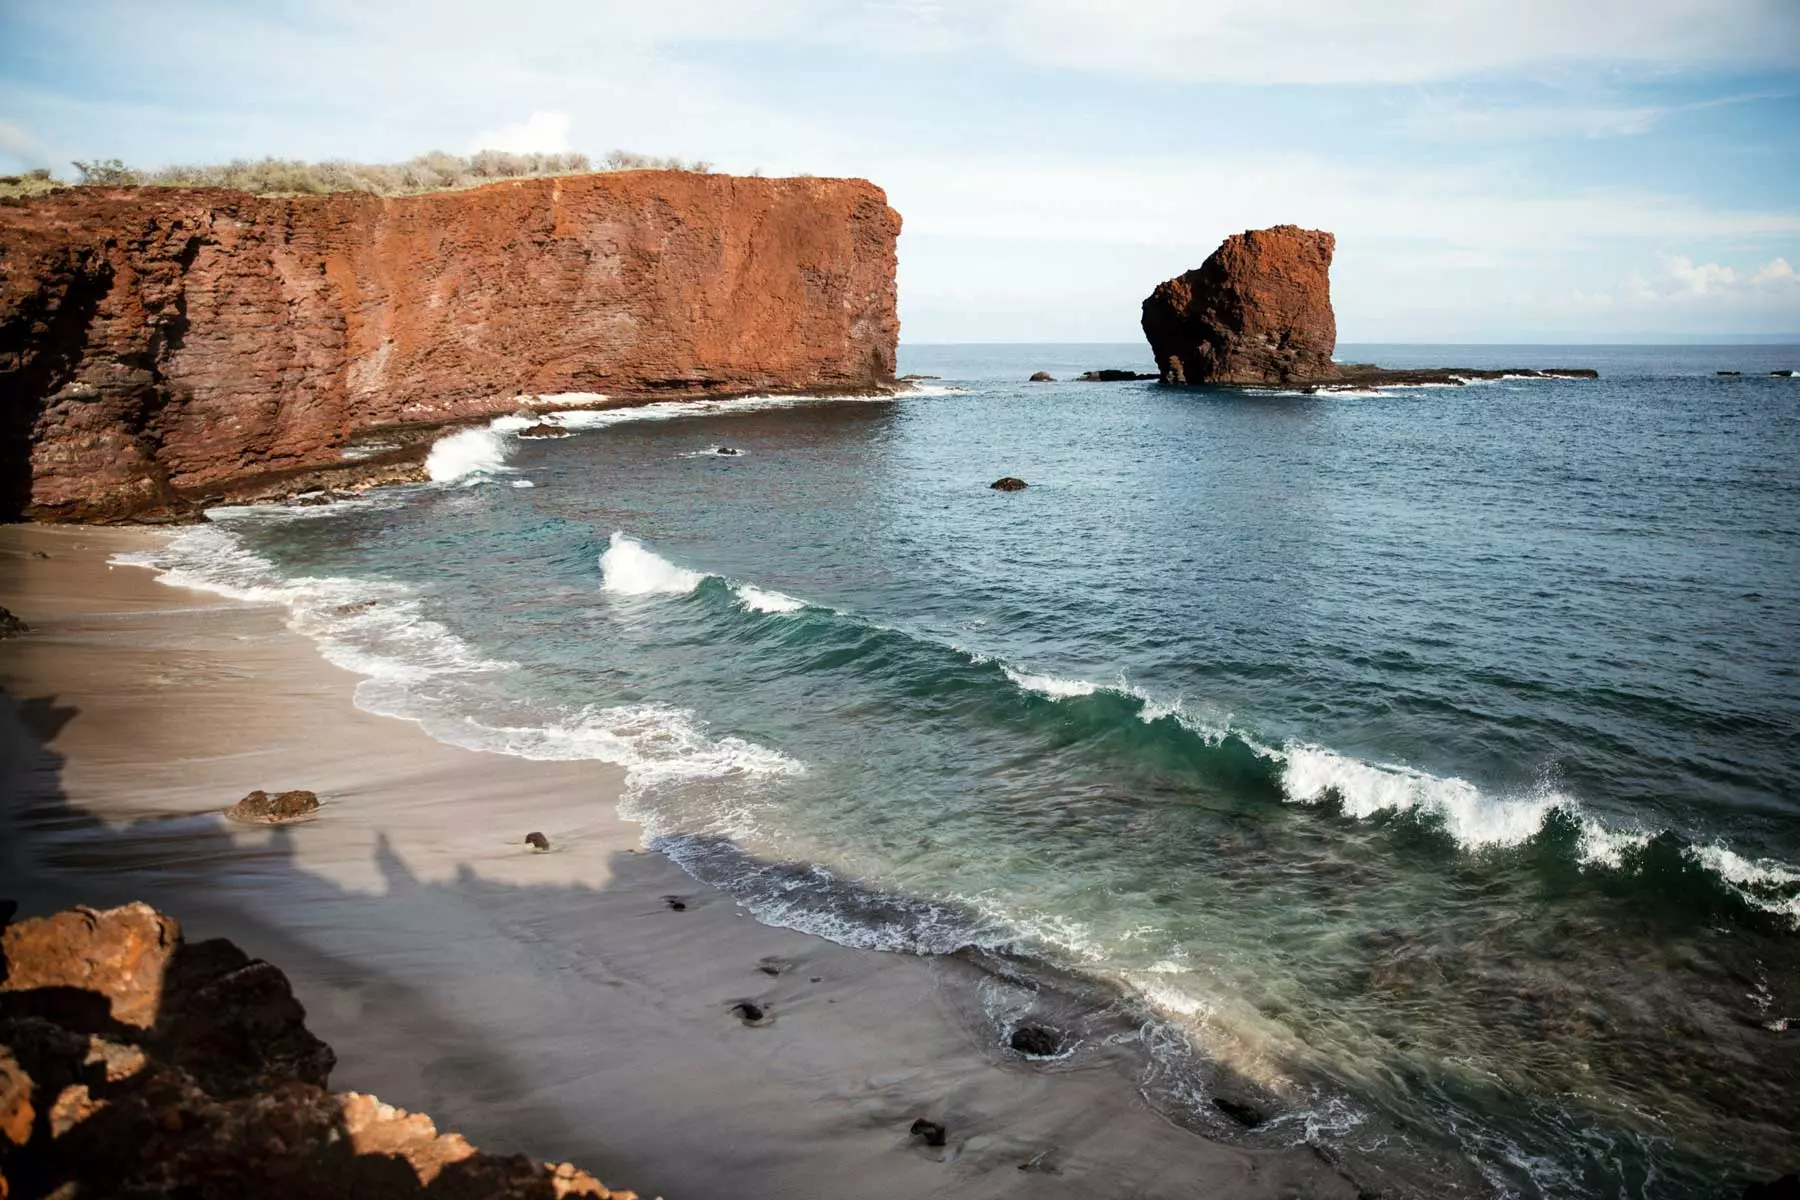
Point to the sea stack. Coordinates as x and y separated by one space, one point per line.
1258 311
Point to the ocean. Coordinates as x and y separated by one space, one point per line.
1415 771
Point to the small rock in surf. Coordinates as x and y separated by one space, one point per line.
11 626
1037 1041
537 841
676 903
727 452
931 1131
1247 1115
1042 377
749 1011
1009 483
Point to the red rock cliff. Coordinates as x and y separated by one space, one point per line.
1257 311
157 343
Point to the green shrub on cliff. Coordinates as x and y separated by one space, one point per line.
432 172
31 183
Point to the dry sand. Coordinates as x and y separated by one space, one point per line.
551 1003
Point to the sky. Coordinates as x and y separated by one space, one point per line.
1494 170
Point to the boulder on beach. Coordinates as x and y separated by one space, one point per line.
1042 377
11 626
1257 311
136 1063
259 807
1009 483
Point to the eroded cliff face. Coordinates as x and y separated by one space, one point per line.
1258 310
158 343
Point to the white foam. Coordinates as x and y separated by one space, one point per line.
1750 879
1312 772
467 455
763 600
523 483
1052 686
628 569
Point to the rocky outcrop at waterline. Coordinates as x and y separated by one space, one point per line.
158 346
1258 313
1258 310
135 1063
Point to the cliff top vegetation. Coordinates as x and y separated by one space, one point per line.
432 172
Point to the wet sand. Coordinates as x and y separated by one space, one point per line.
550 1003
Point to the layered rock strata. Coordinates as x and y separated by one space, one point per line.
162 346
135 1063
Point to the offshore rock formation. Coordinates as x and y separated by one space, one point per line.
1258 311
161 347
134 1063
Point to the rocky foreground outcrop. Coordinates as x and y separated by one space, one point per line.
1257 311
134 1063
160 346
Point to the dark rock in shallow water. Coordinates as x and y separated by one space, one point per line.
675 903
727 452
1042 377
543 429
931 1131
749 1011
11 626
1247 1115
1783 374
537 841
262 808
916 378
1111 375
1009 483
1037 1041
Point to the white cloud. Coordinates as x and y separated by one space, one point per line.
18 145
1777 272
1699 279
541 132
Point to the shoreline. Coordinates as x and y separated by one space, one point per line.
551 1003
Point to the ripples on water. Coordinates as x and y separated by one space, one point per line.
1418 768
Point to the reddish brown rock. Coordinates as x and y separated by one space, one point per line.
158 343
1257 311
259 807
193 1086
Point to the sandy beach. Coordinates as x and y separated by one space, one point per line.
551 1003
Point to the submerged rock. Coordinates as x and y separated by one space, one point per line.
1042 377
1009 483
537 841
133 1062
1727 372
11 626
1247 1115
261 808
749 1011
1257 311
1036 1041
931 1131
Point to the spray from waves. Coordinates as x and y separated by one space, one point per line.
467 455
1052 686
628 569
763 600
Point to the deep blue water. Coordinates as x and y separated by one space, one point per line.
1420 767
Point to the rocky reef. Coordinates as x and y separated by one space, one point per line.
165 347
1257 311
135 1063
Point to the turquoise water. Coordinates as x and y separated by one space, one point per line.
1419 767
